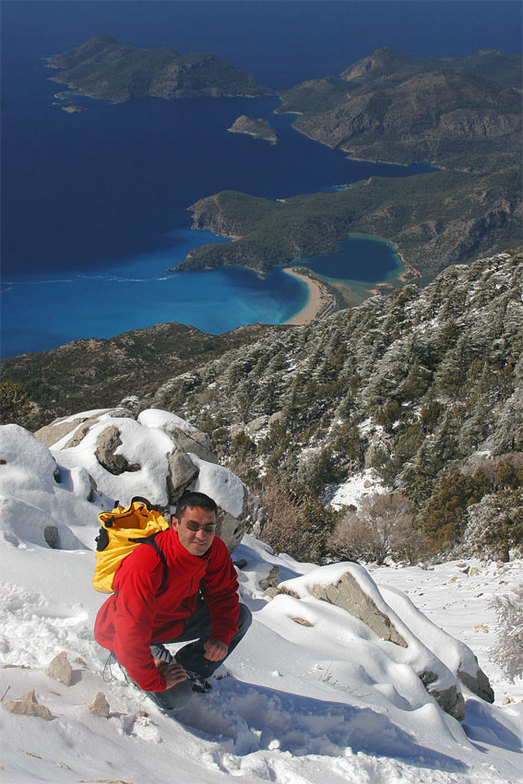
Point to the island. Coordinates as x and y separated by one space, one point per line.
70 108
105 69
256 127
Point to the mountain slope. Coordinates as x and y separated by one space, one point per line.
415 385
82 373
434 219
455 112
460 114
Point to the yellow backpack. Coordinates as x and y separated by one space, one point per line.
123 529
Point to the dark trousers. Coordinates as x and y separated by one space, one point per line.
191 656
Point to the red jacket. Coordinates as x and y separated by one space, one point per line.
128 623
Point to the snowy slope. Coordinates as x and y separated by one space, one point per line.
327 702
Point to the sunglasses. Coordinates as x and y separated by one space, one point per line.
208 528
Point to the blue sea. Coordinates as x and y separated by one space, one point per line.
94 205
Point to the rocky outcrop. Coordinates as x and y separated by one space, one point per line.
106 445
116 454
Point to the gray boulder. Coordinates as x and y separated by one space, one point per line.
348 594
182 472
106 445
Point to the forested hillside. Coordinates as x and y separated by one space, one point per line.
423 385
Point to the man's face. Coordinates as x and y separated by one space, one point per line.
195 542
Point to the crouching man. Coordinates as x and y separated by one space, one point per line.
198 604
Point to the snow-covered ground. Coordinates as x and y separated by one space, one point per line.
320 702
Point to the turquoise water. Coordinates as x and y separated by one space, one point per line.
140 293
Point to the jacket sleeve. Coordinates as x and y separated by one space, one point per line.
220 591
137 582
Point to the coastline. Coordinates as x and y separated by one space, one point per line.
320 301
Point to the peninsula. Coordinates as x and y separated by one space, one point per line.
106 69
462 114
256 127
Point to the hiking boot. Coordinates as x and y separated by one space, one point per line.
199 683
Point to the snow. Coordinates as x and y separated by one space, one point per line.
357 487
221 484
165 420
327 702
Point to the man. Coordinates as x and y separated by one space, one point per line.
199 602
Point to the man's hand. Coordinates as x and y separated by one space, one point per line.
173 673
215 650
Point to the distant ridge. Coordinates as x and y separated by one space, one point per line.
458 112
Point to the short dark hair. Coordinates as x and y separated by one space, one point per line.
192 498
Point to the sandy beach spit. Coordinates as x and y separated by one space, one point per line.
319 298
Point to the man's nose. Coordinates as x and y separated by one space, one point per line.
201 533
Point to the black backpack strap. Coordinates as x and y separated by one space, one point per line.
165 569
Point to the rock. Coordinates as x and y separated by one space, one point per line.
194 441
182 472
348 594
256 425
28 705
99 705
60 669
256 127
59 428
106 445
51 536
174 456
302 622
450 700
272 579
479 684
230 529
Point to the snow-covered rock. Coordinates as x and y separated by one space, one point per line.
148 456
415 640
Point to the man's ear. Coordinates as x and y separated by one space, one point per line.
174 521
